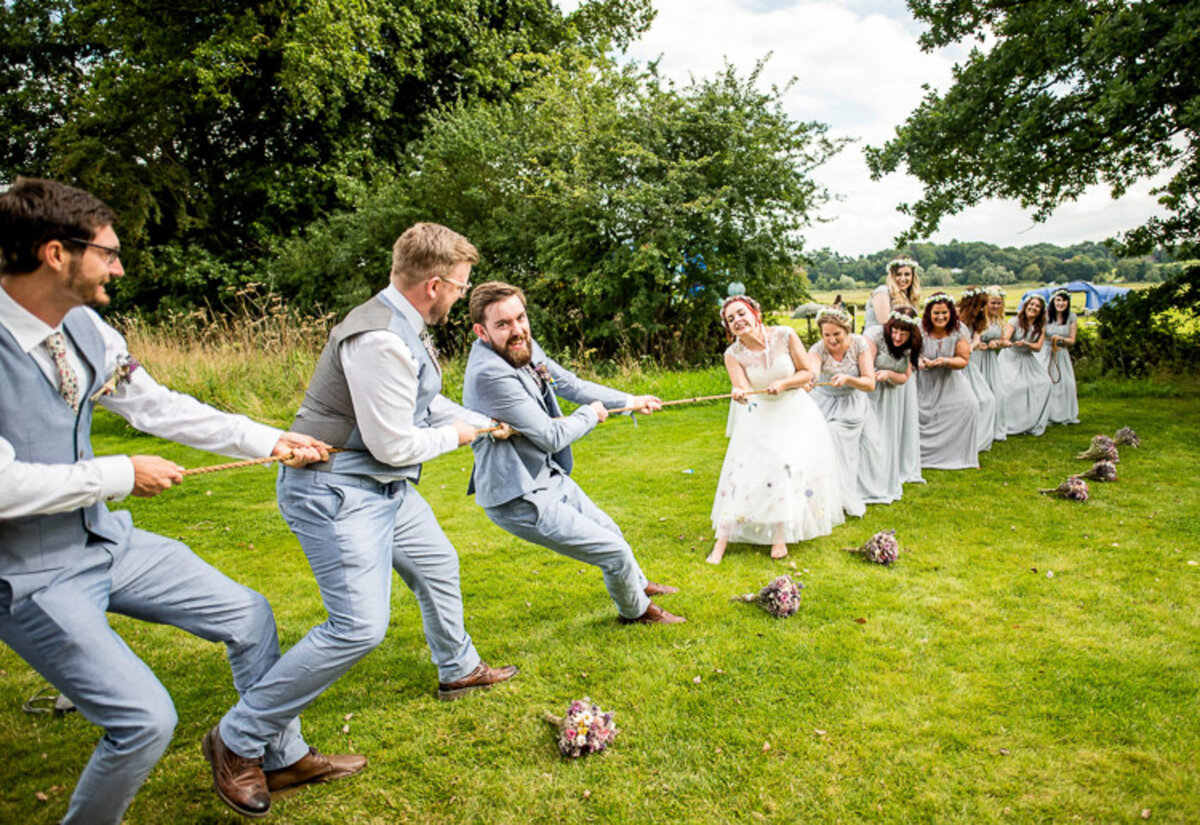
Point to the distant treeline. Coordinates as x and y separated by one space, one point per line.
973 262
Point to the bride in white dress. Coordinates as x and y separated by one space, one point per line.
780 481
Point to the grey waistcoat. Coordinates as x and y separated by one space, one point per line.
44 430
327 412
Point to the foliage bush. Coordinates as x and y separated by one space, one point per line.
1152 331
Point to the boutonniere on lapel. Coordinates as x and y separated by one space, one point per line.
544 374
121 374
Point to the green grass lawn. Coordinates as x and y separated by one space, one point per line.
966 684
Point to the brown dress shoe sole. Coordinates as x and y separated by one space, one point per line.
206 749
288 790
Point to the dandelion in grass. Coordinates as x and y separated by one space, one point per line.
1074 489
584 729
1101 471
122 374
1101 448
780 598
881 548
1127 437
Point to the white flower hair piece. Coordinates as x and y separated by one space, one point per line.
938 298
971 293
911 320
903 260
995 291
839 315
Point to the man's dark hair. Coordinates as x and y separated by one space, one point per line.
484 295
35 211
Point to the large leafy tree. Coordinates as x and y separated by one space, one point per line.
1061 95
216 126
623 205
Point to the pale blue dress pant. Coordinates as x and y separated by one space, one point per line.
563 519
355 531
62 631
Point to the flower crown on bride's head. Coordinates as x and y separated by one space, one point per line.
938 298
903 260
911 320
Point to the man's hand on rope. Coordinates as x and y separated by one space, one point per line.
303 449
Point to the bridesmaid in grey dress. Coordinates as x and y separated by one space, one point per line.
1060 329
949 411
972 314
902 289
986 352
847 374
895 346
1025 397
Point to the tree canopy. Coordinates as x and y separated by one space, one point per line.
1061 95
621 204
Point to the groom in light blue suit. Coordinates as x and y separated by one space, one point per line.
524 483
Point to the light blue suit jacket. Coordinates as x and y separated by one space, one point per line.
506 470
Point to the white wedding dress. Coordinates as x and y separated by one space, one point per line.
780 480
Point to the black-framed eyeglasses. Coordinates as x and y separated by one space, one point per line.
111 254
462 288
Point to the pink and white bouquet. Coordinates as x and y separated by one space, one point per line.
1101 448
1101 471
1074 489
584 729
1126 436
780 598
881 548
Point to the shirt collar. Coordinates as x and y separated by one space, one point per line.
29 330
401 304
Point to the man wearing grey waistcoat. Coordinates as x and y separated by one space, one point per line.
524 483
65 560
375 394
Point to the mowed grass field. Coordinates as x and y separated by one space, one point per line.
1027 660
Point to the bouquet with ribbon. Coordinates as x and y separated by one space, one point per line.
780 598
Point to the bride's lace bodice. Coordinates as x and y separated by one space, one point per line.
764 366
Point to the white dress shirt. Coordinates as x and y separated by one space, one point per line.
27 488
381 373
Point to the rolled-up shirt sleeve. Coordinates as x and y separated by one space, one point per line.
30 489
381 374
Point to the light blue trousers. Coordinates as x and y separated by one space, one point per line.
62 631
355 531
563 519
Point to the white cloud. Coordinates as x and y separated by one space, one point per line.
858 69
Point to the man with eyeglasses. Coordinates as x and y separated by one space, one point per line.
375 393
65 560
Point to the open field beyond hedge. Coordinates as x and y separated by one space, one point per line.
1029 659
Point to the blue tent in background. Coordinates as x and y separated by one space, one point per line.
1097 295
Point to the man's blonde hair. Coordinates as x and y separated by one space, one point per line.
428 250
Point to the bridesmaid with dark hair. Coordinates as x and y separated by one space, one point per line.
895 348
1025 397
972 313
1061 329
949 413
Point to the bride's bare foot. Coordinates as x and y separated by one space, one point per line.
718 553
779 551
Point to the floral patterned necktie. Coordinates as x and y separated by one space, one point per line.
68 381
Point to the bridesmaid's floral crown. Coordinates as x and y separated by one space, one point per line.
972 293
1063 291
904 260
938 298
900 317
834 314
995 292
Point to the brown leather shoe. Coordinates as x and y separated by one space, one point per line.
481 677
653 589
653 615
312 768
238 781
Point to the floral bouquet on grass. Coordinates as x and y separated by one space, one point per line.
1126 436
1101 471
780 598
1074 488
1102 448
881 548
585 728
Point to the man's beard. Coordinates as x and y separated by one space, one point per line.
517 359
93 297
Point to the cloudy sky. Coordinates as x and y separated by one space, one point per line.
859 70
